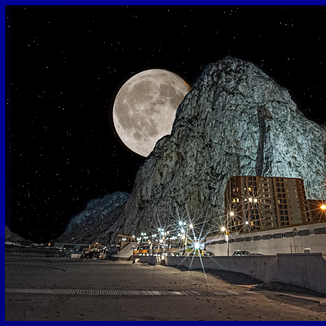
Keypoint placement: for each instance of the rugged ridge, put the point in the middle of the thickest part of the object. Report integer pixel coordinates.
(95, 223)
(15, 238)
(235, 121)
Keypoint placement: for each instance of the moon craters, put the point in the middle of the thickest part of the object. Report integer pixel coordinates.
(145, 106)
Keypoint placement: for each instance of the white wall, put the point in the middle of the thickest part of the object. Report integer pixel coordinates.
(316, 242)
(127, 251)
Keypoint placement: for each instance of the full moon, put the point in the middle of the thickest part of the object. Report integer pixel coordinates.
(145, 106)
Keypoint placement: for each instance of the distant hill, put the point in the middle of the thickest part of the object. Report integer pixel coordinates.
(97, 222)
(13, 237)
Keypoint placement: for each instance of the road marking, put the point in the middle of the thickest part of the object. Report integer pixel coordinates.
(127, 292)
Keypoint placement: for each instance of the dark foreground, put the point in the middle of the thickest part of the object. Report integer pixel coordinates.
(121, 290)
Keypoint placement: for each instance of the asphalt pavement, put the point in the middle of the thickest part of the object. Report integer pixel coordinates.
(63, 289)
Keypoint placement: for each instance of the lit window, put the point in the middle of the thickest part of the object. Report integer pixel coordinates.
(237, 199)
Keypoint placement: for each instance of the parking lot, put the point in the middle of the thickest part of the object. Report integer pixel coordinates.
(49, 288)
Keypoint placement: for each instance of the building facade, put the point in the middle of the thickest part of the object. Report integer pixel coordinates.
(318, 215)
(254, 203)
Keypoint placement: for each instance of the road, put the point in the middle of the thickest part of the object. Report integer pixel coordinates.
(63, 289)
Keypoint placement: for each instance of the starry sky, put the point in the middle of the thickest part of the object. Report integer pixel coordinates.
(64, 66)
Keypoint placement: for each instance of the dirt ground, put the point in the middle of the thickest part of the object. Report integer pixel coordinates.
(219, 296)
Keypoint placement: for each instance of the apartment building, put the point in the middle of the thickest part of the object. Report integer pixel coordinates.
(254, 203)
(318, 214)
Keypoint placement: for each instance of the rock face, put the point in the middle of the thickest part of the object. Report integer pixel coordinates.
(235, 121)
(15, 238)
(95, 223)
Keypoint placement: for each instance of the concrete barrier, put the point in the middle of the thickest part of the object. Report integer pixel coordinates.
(305, 270)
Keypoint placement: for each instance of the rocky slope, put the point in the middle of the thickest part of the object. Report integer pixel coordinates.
(235, 121)
(15, 238)
(95, 223)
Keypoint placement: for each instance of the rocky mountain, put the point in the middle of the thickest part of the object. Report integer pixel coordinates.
(95, 223)
(15, 238)
(235, 121)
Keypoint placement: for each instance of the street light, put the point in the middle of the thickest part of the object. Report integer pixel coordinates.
(224, 229)
(184, 247)
(323, 207)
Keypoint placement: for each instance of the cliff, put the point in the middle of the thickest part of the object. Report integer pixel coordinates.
(235, 121)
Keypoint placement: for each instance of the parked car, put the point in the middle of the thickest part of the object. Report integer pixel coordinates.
(207, 253)
(241, 253)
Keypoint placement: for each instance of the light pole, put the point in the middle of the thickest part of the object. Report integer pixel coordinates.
(227, 233)
(190, 226)
(184, 248)
(184, 233)
(295, 230)
(168, 241)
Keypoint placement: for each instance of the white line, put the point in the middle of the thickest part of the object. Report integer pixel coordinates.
(127, 292)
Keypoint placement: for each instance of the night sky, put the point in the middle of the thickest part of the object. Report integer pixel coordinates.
(64, 66)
